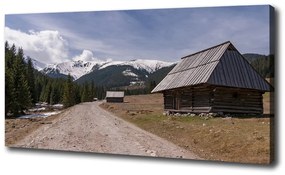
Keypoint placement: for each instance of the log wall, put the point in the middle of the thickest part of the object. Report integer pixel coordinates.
(115, 99)
(232, 100)
(213, 99)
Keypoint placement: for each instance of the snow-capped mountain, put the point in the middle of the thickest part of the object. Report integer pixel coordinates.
(37, 64)
(79, 68)
(149, 65)
(75, 68)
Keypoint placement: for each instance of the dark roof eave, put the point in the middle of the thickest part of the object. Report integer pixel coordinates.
(261, 90)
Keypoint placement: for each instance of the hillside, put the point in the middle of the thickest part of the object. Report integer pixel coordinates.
(79, 68)
(132, 74)
(158, 75)
(263, 64)
(250, 57)
(114, 76)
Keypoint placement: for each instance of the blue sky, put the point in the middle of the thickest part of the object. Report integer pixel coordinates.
(163, 34)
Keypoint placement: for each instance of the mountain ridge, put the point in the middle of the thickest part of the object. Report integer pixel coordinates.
(80, 68)
(136, 72)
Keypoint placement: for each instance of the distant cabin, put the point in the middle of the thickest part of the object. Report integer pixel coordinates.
(217, 79)
(115, 96)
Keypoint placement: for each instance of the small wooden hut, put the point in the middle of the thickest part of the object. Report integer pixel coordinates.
(115, 96)
(217, 79)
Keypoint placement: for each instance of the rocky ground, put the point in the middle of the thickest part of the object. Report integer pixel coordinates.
(88, 128)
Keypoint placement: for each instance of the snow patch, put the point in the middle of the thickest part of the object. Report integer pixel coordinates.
(43, 115)
(75, 68)
(37, 109)
(57, 106)
(36, 64)
(137, 83)
(129, 73)
(140, 64)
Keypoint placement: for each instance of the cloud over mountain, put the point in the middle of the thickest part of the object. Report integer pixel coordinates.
(86, 55)
(47, 46)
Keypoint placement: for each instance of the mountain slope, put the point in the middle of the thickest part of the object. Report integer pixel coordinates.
(133, 73)
(263, 64)
(250, 57)
(115, 76)
(37, 64)
(140, 64)
(158, 75)
(79, 68)
(75, 68)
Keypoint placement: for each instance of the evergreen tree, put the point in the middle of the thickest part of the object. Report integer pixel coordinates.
(86, 93)
(77, 90)
(45, 94)
(25, 99)
(100, 92)
(55, 92)
(10, 55)
(152, 86)
(31, 79)
(92, 90)
(52, 97)
(22, 97)
(69, 95)
(24, 85)
(9, 96)
(38, 89)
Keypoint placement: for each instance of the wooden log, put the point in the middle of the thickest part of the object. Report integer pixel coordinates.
(238, 107)
(236, 111)
(238, 102)
(237, 96)
(232, 99)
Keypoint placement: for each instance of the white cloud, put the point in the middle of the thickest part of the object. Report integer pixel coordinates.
(46, 46)
(86, 55)
(109, 59)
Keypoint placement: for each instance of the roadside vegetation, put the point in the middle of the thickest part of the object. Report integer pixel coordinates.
(25, 86)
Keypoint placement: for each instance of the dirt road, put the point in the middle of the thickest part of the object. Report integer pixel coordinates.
(87, 127)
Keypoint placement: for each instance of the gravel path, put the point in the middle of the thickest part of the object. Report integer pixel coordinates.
(88, 128)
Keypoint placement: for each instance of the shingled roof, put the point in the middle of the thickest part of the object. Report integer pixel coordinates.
(114, 94)
(221, 65)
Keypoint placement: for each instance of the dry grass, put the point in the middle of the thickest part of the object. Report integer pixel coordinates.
(17, 129)
(245, 140)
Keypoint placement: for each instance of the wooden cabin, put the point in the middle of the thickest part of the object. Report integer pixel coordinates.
(217, 79)
(115, 96)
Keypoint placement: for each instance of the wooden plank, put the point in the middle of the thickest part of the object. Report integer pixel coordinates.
(232, 98)
(224, 88)
(237, 107)
(238, 95)
(238, 104)
(236, 111)
(227, 91)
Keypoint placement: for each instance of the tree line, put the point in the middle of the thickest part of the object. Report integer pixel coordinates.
(264, 66)
(25, 86)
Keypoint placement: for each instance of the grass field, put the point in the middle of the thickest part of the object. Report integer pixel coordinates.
(245, 140)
